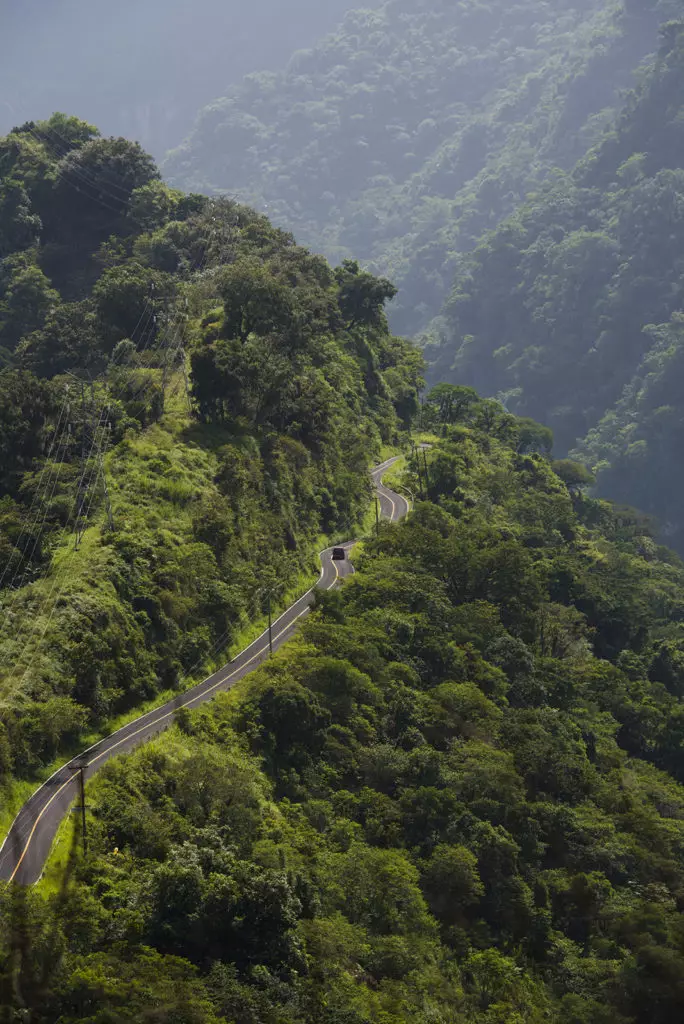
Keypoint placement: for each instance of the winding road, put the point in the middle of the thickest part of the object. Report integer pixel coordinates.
(27, 846)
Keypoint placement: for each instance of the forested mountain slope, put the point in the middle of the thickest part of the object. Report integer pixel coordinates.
(142, 68)
(456, 796)
(417, 127)
(187, 507)
(573, 308)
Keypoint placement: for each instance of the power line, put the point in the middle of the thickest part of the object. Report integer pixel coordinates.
(95, 444)
(81, 174)
(45, 126)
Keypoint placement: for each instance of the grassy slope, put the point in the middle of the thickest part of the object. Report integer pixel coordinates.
(505, 771)
(153, 479)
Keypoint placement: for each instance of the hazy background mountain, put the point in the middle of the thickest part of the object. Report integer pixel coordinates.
(142, 68)
(572, 309)
(525, 158)
(458, 794)
(414, 128)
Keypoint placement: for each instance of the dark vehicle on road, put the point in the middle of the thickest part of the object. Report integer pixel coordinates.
(339, 554)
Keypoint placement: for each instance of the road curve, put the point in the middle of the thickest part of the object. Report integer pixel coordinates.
(27, 846)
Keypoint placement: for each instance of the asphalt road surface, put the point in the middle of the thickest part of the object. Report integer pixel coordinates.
(27, 846)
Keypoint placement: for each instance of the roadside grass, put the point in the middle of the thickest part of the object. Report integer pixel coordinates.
(12, 799)
(66, 845)
(65, 853)
(78, 569)
(394, 477)
(426, 437)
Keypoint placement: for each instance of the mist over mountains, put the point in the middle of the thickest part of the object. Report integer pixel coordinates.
(142, 68)
(453, 792)
(403, 135)
(413, 129)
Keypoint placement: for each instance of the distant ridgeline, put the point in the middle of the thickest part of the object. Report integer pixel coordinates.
(188, 400)
(415, 128)
(457, 796)
(142, 68)
(574, 308)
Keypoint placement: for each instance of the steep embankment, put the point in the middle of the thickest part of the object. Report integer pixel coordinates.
(415, 128)
(457, 795)
(26, 848)
(190, 501)
(572, 309)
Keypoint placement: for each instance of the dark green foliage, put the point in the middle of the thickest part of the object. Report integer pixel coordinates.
(26, 408)
(20, 227)
(573, 474)
(571, 310)
(362, 297)
(128, 296)
(454, 791)
(294, 382)
(416, 127)
(67, 341)
(27, 299)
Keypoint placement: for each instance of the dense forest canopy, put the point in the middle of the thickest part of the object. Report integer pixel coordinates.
(413, 129)
(114, 289)
(572, 309)
(457, 796)
(142, 68)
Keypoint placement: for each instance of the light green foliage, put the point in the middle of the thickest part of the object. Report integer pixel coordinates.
(289, 402)
(457, 795)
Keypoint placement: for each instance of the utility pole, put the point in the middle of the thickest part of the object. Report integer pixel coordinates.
(270, 625)
(80, 768)
(427, 475)
(271, 587)
(377, 516)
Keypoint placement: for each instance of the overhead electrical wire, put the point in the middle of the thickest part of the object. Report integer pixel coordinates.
(87, 179)
(69, 148)
(172, 350)
(53, 597)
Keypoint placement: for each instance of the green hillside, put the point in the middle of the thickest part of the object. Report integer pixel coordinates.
(456, 797)
(189, 401)
(404, 136)
(572, 309)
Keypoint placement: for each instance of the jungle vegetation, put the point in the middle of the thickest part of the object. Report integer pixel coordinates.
(457, 796)
(188, 500)
(401, 138)
(572, 310)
